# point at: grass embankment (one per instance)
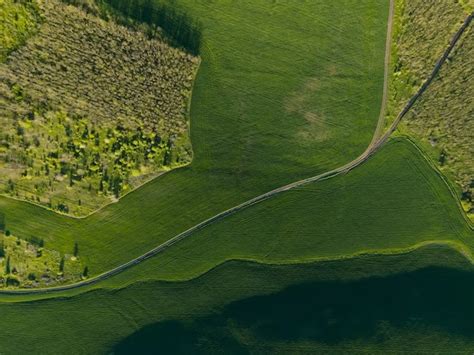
(272, 97)
(331, 309)
(90, 109)
(392, 202)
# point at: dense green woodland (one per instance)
(375, 260)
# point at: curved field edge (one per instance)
(239, 119)
(127, 281)
(96, 320)
(393, 201)
(385, 205)
(453, 187)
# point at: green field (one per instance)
(378, 259)
(143, 298)
(247, 109)
(345, 299)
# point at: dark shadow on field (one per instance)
(175, 337)
(430, 300)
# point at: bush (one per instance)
(12, 281)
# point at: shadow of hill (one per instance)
(432, 300)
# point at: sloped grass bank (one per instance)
(393, 201)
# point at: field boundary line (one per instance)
(371, 149)
(443, 177)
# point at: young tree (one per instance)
(76, 249)
(85, 273)
(7, 267)
(61, 265)
(2, 222)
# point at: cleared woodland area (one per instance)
(90, 110)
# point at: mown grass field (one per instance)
(261, 105)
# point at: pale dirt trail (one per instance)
(373, 147)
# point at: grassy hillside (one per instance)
(353, 306)
(256, 99)
(90, 110)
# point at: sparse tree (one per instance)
(7, 266)
(61, 265)
(2, 222)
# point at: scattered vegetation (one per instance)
(18, 20)
(422, 30)
(443, 120)
(28, 263)
(80, 130)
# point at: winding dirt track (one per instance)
(377, 142)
